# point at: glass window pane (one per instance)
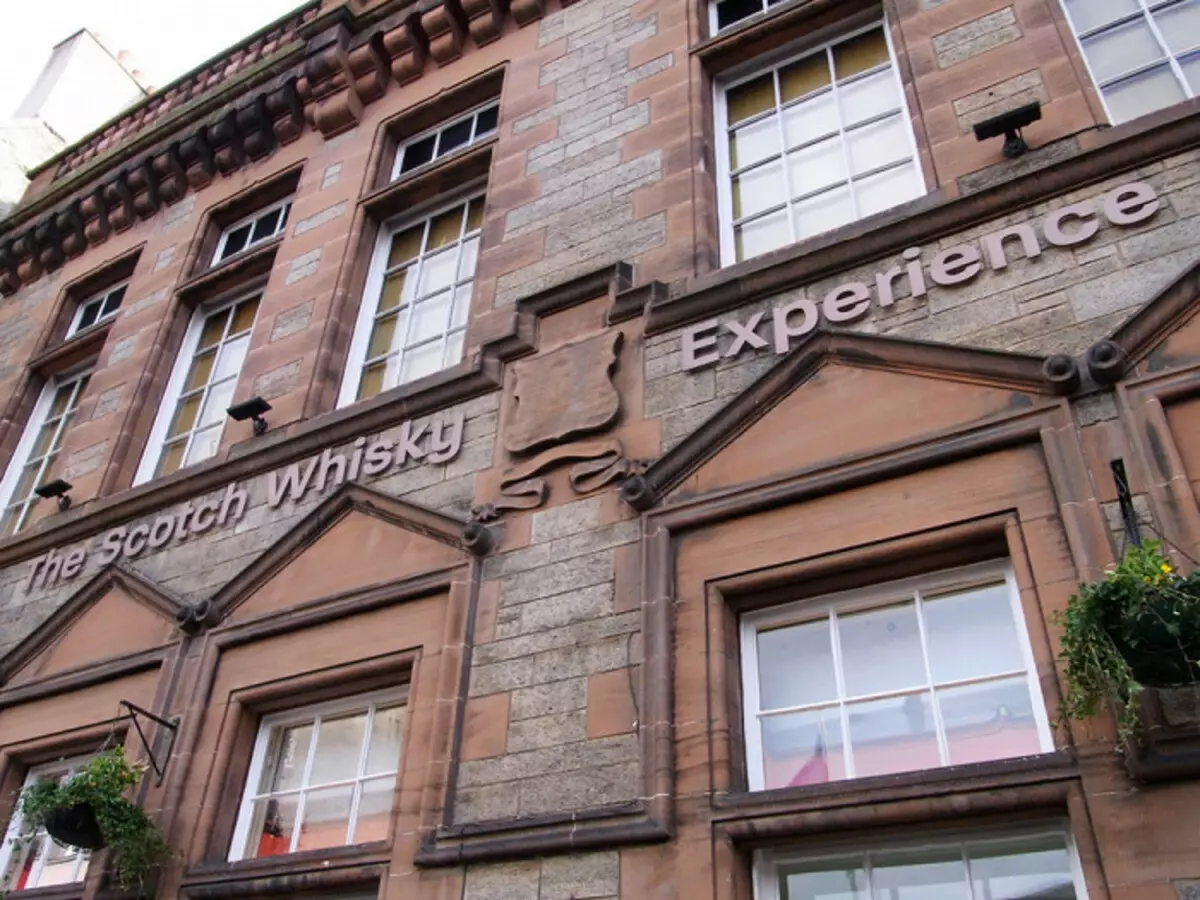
(753, 142)
(30, 477)
(810, 119)
(185, 415)
(265, 226)
(457, 135)
(992, 720)
(485, 121)
(382, 336)
(437, 272)
(405, 245)
(393, 294)
(758, 189)
(236, 241)
(339, 746)
(1180, 25)
(421, 361)
(213, 330)
(475, 214)
(45, 439)
(204, 445)
(466, 259)
(218, 400)
(795, 666)
(429, 318)
(60, 867)
(881, 650)
(1143, 93)
(418, 154)
(113, 301)
(172, 458)
(804, 76)
(874, 95)
(888, 188)
(372, 380)
(201, 371)
(802, 748)
(387, 736)
(454, 349)
(817, 166)
(751, 98)
(374, 810)
(874, 146)
(326, 817)
(898, 734)
(462, 306)
(972, 633)
(8, 521)
(928, 874)
(273, 823)
(89, 314)
(825, 880)
(230, 358)
(1119, 50)
(288, 755)
(860, 54)
(731, 11)
(762, 235)
(1191, 71)
(823, 212)
(1023, 867)
(1089, 14)
(243, 316)
(445, 229)
(62, 399)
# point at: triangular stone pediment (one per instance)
(116, 614)
(1165, 333)
(356, 538)
(840, 396)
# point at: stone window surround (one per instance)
(99, 299)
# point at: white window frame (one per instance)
(437, 130)
(714, 29)
(7, 855)
(756, 68)
(861, 600)
(20, 457)
(1145, 11)
(364, 321)
(766, 862)
(179, 372)
(251, 219)
(99, 298)
(258, 759)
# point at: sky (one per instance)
(166, 37)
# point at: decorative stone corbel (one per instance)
(258, 138)
(28, 267)
(485, 19)
(478, 539)
(119, 203)
(446, 27)
(334, 107)
(197, 158)
(1106, 362)
(143, 188)
(226, 142)
(49, 244)
(172, 177)
(526, 11)
(95, 217)
(286, 113)
(9, 282)
(369, 68)
(196, 617)
(70, 226)
(1061, 373)
(406, 47)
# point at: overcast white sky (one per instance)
(166, 37)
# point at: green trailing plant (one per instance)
(1138, 627)
(135, 843)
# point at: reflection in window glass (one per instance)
(815, 143)
(940, 678)
(424, 149)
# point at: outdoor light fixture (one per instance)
(1010, 124)
(56, 488)
(252, 409)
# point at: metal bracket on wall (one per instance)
(1133, 533)
(171, 727)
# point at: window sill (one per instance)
(332, 868)
(72, 351)
(51, 892)
(233, 272)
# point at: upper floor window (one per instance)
(930, 672)
(811, 144)
(413, 316)
(41, 862)
(1024, 862)
(323, 776)
(97, 309)
(723, 13)
(432, 145)
(252, 230)
(34, 461)
(191, 417)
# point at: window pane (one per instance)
(185, 415)
(457, 135)
(113, 301)
(1026, 867)
(1119, 50)
(1143, 93)
(214, 329)
(383, 336)
(1191, 70)
(1180, 25)
(1089, 14)
(387, 735)
(475, 214)
(894, 735)
(89, 314)
(418, 154)
(758, 189)
(372, 380)
(172, 458)
(374, 810)
(817, 166)
(753, 142)
(874, 146)
(201, 371)
(730, 11)
(454, 349)
(392, 294)
(827, 880)
(860, 54)
(339, 747)
(437, 272)
(45, 439)
(421, 361)
(243, 317)
(804, 76)
(466, 259)
(972, 633)
(810, 119)
(933, 874)
(751, 98)
(265, 226)
(445, 229)
(462, 306)
(218, 400)
(802, 748)
(204, 445)
(236, 241)
(992, 720)
(823, 212)
(762, 235)
(60, 866)
(429, 318)
(405, 245)
(871, 96)
(881, 650)
(889, 188)
(485, 121)
(274, 822)
(795, 666)
(326, 818)
(289, 756)
(62, 399)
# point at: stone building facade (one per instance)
(682, 432)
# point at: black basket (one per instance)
(75, 826)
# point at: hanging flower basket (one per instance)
(1131, 642)
(75, 826)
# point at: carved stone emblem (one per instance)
(556, 398)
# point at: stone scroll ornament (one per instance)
(558, 397)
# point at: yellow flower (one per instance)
(1146, 578)
(1166, 568)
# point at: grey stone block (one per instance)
(548, 699)
(502, 881)
(318, 219)
(570, 518)
(975, 37)
(303, 266)
(582, 755)
(292, 321)
(679, 391)
(580, 790)
(547, 731)
(581, 876)
(494, 801)
(557, 578)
